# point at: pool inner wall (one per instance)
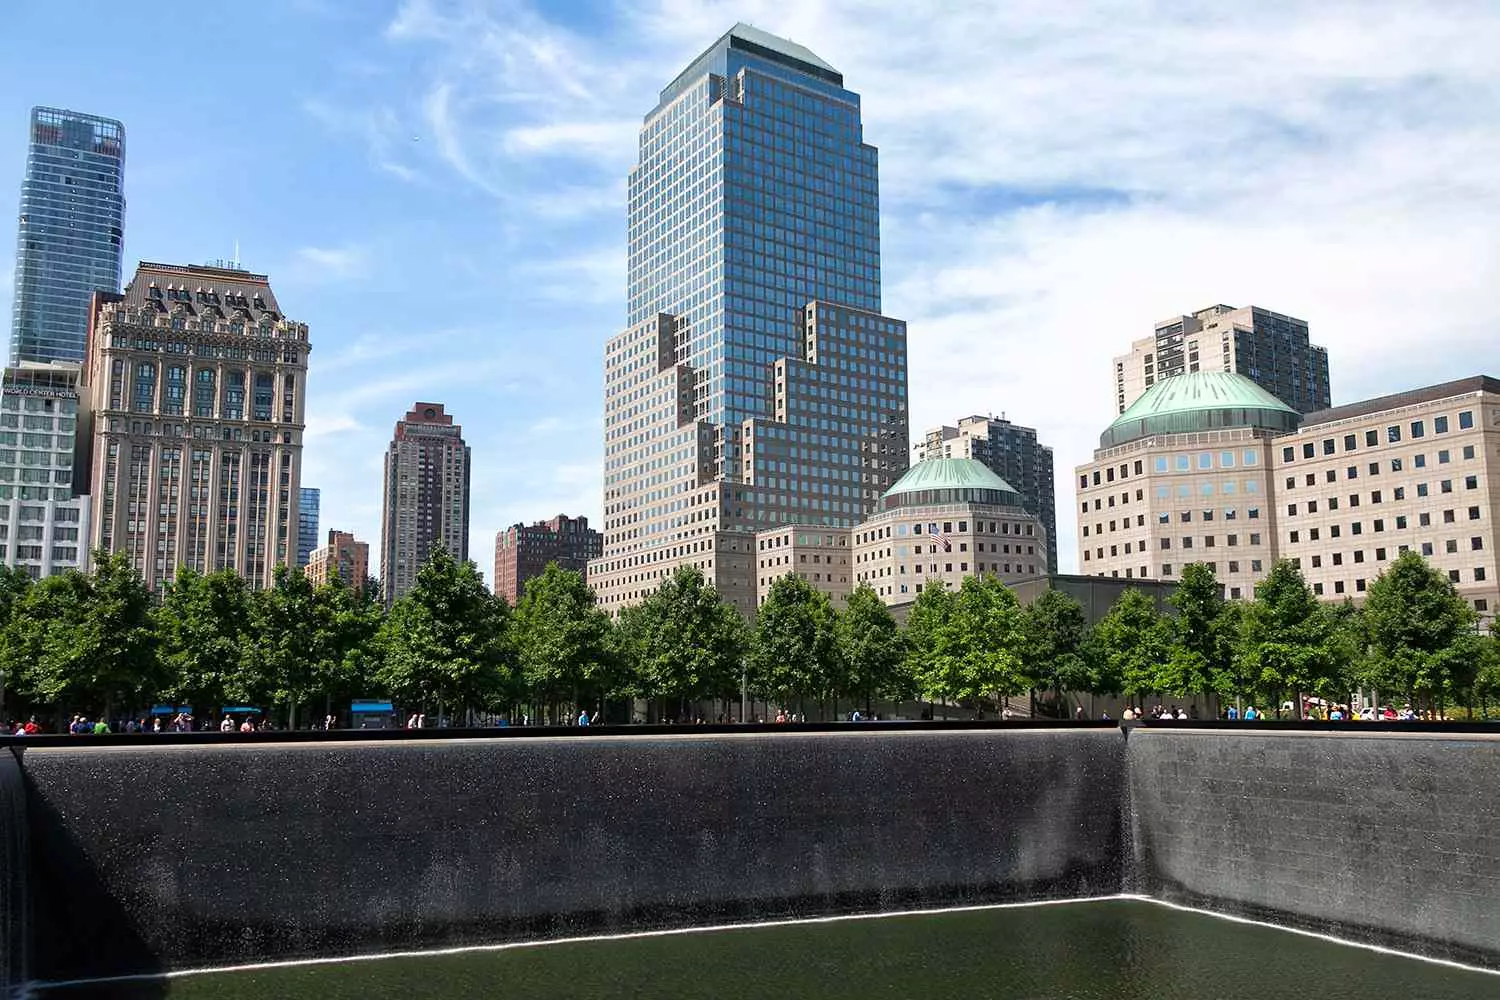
(162, 857)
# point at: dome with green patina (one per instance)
(1200, 401)
(949, 480)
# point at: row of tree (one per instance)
(102, 643)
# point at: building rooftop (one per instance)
(949, 480)
(201, 292)
(1428, 394)
(766, 45)
(1199, 401)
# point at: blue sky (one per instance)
(437, 188)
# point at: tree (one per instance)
(1202, 648)
(287, 642)
(1056, 630)
(202, 628)
(1289, 642)
(1132, 642)
(990, 641)
(872, 647)
(931, 660)
(562, 639)
(1487, 682)
(446, 641)
(1422, 635)
(87, 640)
(349, 620)
(683, 642)
(794, 652)
(14, 583)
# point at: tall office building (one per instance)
(67, 247)
(71, 229)
(522, 552)
(1011, 452)
(344, 556)
(757, 383)
(310, 500)
(426, 504)
(43, 526)
(194, 391)
(1270, 349)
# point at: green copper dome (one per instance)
(1200, 401)
(949, 480)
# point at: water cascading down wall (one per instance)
(161, 857)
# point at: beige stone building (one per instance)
(1271, 349)
(944, 520)
(343, 555)
(1184, 476)
(1358, 485)
(192, 412)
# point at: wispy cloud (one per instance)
(332, 263)
(390, 142)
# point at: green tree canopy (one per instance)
(1289, 642)
(989, 640)
(1056, 630)
(1131, 643)
(932, 659)
(203, 629)
(1201, 655)
(1422, 637)
(446, 641)
(88, 640)
(794, 652)
(872, 647)
(286, 648)
(684, 642)
(562, 639)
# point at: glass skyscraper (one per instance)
(310, 498)
(757, 383)
(71, 229)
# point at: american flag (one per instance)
(947, 545)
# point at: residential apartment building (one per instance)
(1014, 454)
(426, 498)
(1360, 484)
(193, 396)
(757, 383)
(944, 520)
(310, 501)
(1238, 483)
(1271, 349)
(1184, 476)
(44, 528)
(343, 556)
(72, 227)
(523, 552)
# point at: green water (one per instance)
(1107, 950)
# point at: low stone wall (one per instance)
(1388, 838)
(13, 855)
(161, 857)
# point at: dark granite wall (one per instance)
(13, 835)
(170, 857)
(1385, 838)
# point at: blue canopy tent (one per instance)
(169, 710)
(372, 713)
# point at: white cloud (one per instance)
(331, 263)
(607, 138)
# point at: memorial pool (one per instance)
(1114, 949)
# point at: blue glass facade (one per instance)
(70, 234)
(309, 499)
(757, 383)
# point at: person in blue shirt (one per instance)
(1251, 714)
(583, 717)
